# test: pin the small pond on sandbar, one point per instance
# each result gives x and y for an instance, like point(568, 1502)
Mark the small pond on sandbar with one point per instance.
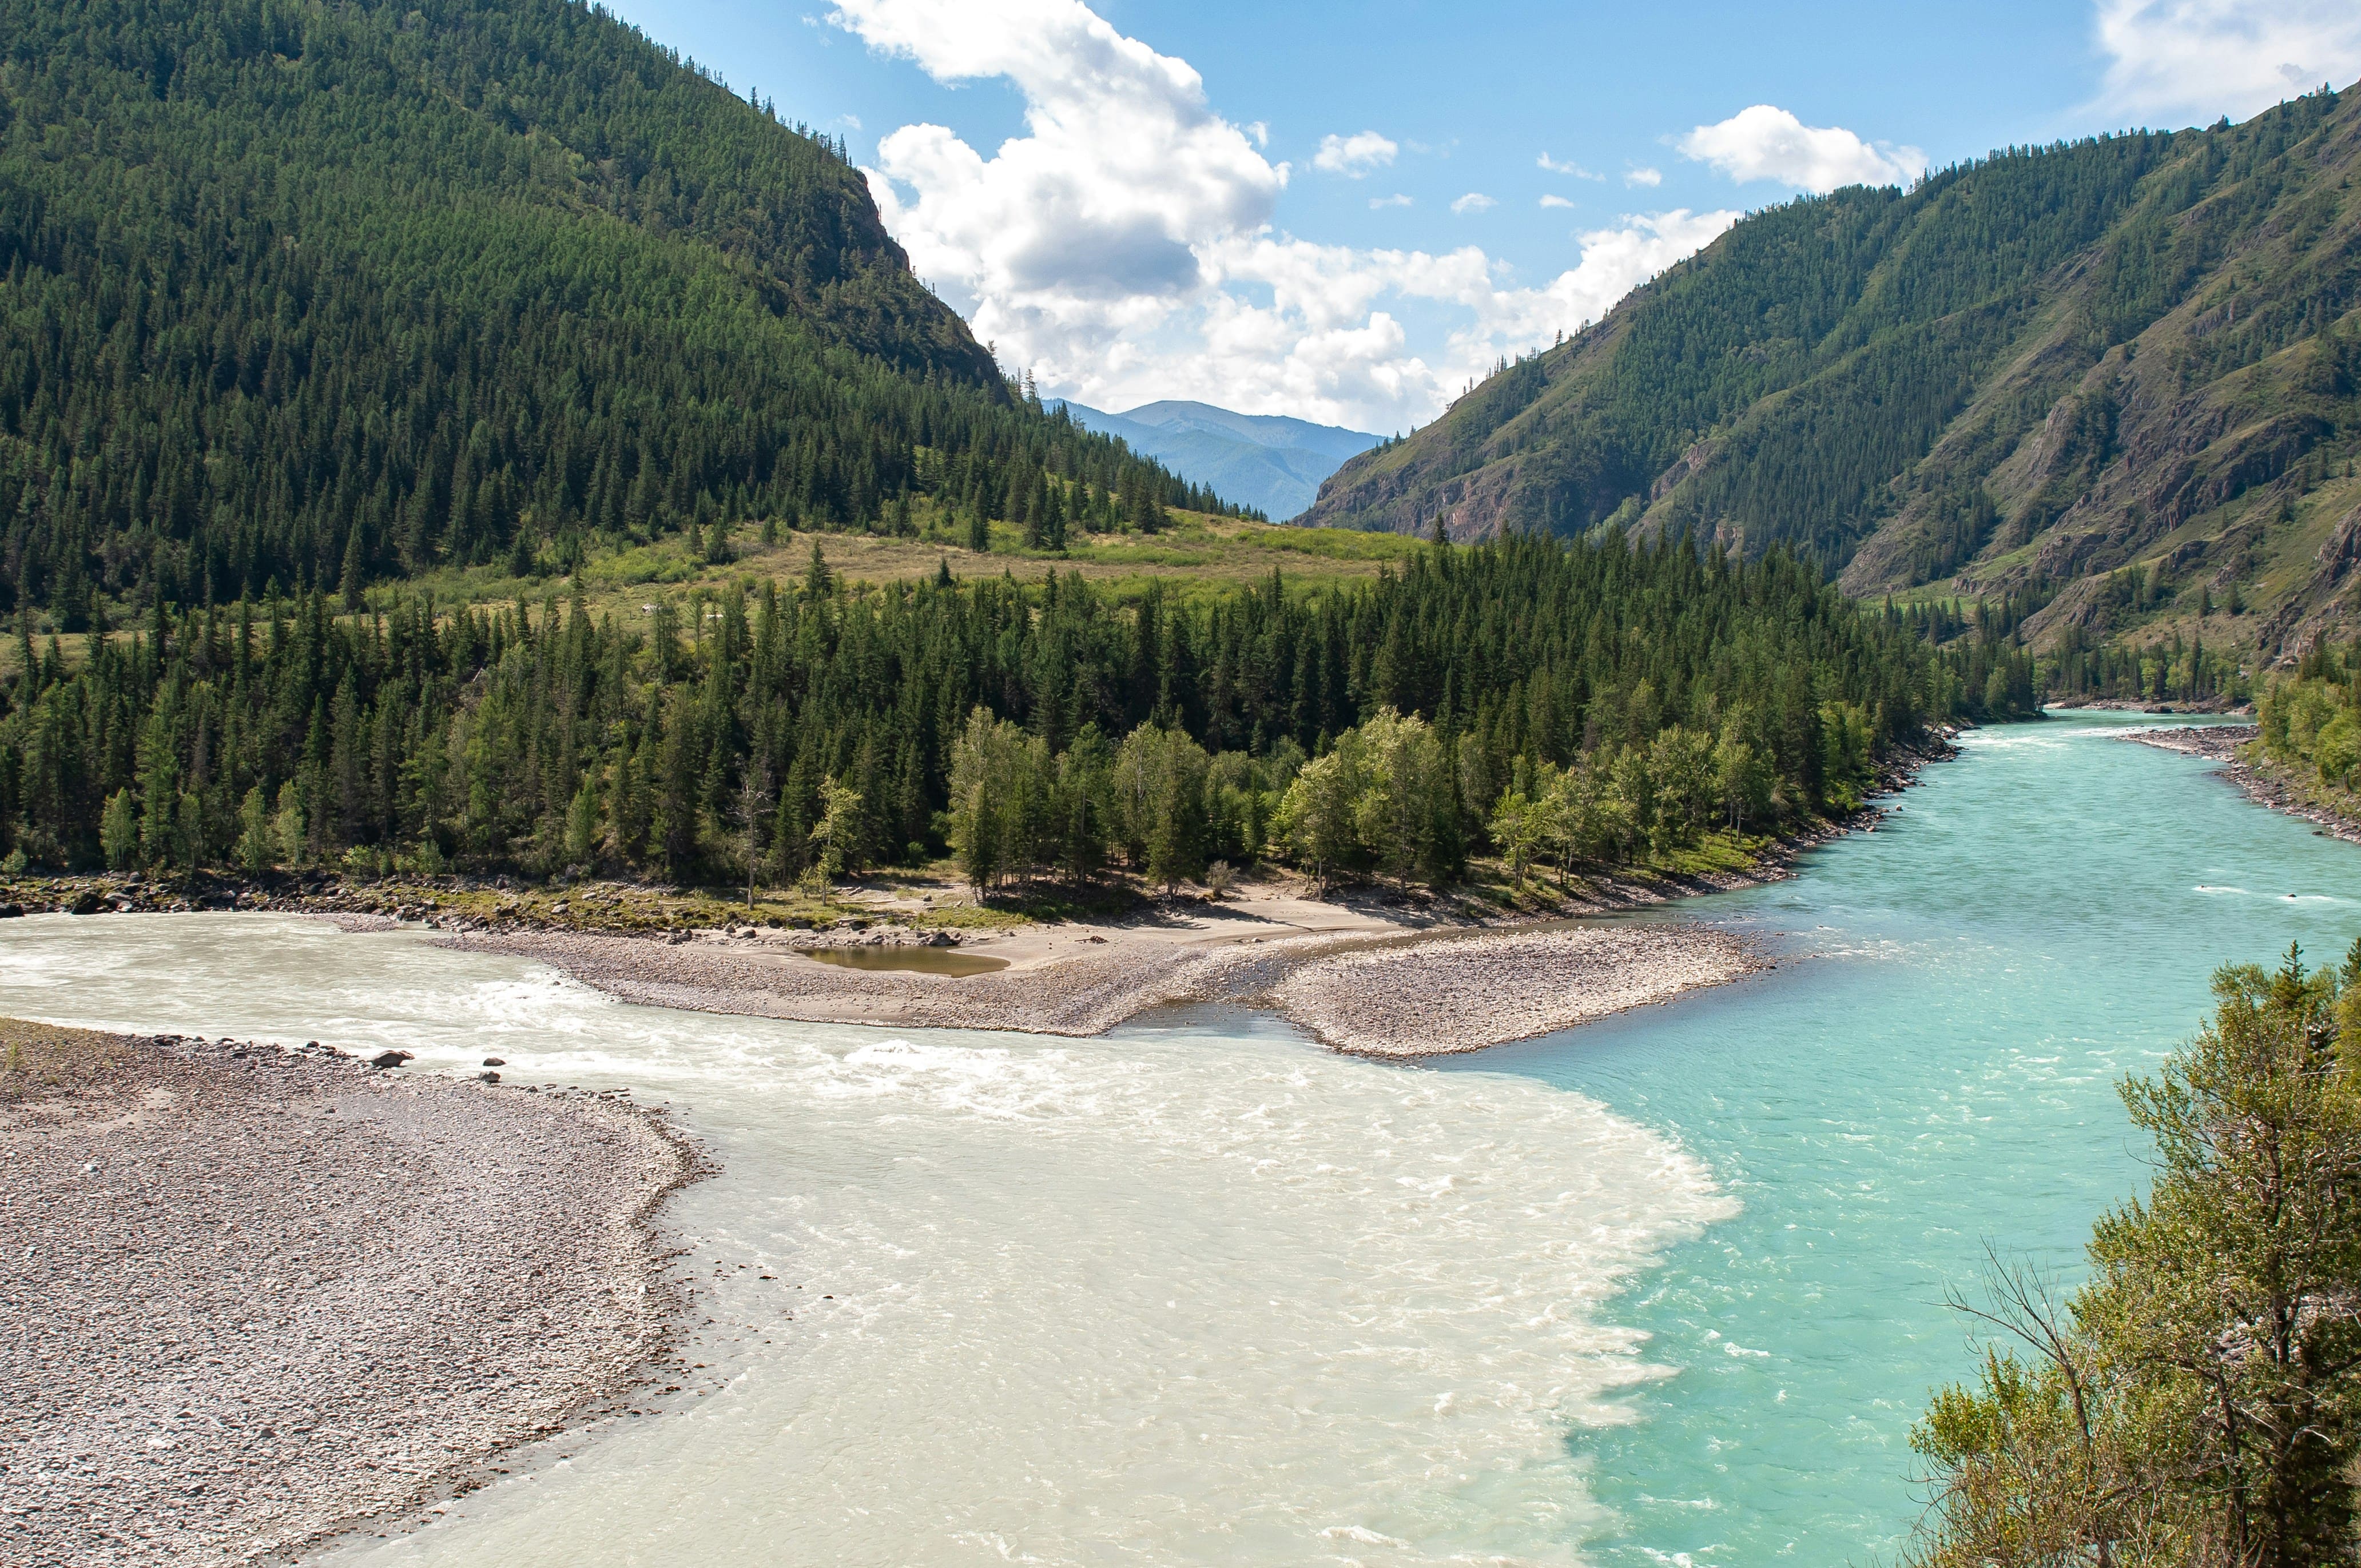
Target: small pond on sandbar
point(908, 960)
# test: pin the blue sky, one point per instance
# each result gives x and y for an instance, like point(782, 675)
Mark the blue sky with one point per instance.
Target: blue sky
point(1343, 213)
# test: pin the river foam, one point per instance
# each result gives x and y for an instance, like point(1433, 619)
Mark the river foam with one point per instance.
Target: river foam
point(1196, 1292)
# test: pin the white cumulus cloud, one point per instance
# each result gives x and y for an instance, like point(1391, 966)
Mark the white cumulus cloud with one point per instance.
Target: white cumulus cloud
point(1396, 199)
point(2196, 60)
point(1124, 247)
point(1355, 155)
point(1767, 143)
point(1650, 177)
point(1089, 222)
point(1474, 202)
point(1555, 202)
point(1577, 170)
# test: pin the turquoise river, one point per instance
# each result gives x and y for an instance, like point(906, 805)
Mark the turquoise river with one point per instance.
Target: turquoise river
point(1668, 1289)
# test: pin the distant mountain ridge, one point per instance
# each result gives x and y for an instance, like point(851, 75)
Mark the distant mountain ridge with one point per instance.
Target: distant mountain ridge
point(2119, 381)
point(1269, 462)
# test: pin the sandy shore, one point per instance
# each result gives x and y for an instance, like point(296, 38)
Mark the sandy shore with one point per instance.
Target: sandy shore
point(1353, 980)
point(248, 1296)
point(1060, 980)
point(1369, 975)
point(2263, 783)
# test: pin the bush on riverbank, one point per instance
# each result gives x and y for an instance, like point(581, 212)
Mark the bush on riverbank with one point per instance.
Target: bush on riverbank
point(2198, 1401)
point(2311, 722)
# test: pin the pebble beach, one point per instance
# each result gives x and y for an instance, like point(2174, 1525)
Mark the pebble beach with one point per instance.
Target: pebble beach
point(250, 1297)
point(1458, 994)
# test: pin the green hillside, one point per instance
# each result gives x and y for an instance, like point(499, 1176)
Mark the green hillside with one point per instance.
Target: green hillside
point(321, 296)
point(2118, 379)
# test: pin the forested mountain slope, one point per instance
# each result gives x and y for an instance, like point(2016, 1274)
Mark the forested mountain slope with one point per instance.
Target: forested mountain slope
point(2120, 377)
point(324, 294)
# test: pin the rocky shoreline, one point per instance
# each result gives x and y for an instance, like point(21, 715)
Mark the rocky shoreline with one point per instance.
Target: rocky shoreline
point(253, 1297)
point(2192, 706)
point(2261, 780)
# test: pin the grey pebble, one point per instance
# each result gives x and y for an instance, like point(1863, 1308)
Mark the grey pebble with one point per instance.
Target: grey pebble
point(186, 1382)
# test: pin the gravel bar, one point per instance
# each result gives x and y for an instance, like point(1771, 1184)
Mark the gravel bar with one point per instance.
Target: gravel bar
point(1439, 998)
point(2218, 742)
point(1076, 996)
point(1424, 996)
point(253, 1297)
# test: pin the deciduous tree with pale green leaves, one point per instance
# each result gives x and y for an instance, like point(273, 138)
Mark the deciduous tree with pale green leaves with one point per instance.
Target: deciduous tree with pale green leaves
point(1316, 816)
point(837, 833)
point(1159, 794)
point(1407, 792)
point(2198, 1402)
point(1742, 777)
point(1519, 825)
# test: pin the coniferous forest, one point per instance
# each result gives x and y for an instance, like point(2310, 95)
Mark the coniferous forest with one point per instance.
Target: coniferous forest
point(1583, 705)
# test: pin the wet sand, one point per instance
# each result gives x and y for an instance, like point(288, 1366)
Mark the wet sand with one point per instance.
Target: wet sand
point(252, 1297)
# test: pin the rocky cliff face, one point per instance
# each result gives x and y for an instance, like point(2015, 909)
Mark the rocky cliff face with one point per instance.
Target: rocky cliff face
point(2122, 377)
